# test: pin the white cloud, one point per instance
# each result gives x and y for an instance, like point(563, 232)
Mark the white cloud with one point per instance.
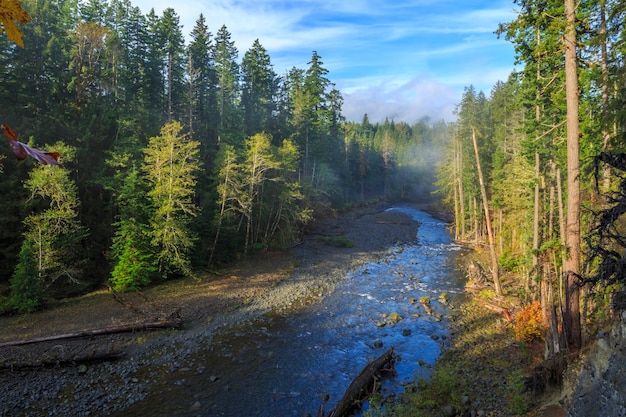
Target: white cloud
point(410, 101)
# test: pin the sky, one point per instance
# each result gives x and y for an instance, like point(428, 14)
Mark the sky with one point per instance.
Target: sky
point(405, 60)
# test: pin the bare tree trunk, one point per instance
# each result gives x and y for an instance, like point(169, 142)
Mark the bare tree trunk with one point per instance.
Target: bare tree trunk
point(500, 227)
point(572, 265)
point(457, 210)
point(461, 194)
point(536, 218)
point(360, 386)
point(492, 250)
point(475, 214)
point(559, 192)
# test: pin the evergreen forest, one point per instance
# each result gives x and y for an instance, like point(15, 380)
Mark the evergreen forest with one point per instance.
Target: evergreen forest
point(179, 156)
point(176, 156)
point(534, 170)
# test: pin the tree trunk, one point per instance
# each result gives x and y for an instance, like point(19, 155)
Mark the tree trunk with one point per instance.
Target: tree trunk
point(461, 193)
point(536, 218)
point(492, 250)
point(572, 265)
point(476, 227)
point(457, 209)
point(604, 67)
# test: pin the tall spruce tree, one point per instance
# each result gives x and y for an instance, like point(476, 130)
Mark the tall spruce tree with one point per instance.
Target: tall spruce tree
point(228, 94)
point(259, 89)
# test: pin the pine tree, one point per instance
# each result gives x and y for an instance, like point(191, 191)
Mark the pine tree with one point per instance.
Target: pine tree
point(53, 232)
point(26, 285)
point(259, 89)
point(132, 252)
point(228, 94)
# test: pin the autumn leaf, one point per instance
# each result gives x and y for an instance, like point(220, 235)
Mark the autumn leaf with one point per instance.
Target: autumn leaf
point(11, 12)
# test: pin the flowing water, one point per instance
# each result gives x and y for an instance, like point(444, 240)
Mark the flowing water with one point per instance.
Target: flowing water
point(291, 364)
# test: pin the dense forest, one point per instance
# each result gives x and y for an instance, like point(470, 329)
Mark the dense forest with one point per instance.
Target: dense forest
point(535, 169)
point(176, 156)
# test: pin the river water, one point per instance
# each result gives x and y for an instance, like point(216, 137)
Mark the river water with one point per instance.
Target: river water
point(290, 364)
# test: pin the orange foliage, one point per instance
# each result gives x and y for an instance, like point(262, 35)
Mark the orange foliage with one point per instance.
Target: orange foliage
point(11, 12)
point(529, 323)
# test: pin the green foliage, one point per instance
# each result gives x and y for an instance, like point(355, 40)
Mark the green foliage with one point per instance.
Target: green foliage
point(53, 231)
point(170, 168)
point(136, 264)
point(26, 288)
point(518, 400)
point(509, 261)
point(133, 256)
point(105, 78)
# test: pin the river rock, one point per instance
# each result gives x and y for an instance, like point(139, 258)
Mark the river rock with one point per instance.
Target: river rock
point(378, 343)
point(448, 411)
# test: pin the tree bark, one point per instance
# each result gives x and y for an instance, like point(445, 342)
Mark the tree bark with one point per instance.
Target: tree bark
point(492, 250)
point(461, 193)
point(572, 264)
point(536, 218)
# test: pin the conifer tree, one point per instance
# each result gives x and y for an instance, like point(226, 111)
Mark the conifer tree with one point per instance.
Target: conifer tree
point(53, 236)
point(170, 167)
point(134, 260)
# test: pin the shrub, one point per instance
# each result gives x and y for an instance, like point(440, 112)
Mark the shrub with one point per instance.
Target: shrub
point(529, 323)
point(338, 242)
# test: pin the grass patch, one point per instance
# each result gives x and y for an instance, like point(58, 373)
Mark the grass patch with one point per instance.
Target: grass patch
point(337, 241)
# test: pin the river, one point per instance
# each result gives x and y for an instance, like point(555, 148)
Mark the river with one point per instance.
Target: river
point(290, 364)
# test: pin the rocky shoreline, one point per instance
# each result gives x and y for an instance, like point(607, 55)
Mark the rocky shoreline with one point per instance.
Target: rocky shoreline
point(308, 273)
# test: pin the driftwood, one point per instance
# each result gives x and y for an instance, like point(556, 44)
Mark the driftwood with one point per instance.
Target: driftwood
point(497, 309)
point(53, 360)
point(361, 385)
point(165, 324)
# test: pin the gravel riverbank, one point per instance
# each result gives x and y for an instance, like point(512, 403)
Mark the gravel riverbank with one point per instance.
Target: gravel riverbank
point(49, 378)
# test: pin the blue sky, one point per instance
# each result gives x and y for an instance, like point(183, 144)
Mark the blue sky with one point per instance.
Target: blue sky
point(402, 59)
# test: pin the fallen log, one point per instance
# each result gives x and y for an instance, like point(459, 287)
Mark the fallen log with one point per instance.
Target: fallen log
point(361, 386)
point(497, 309)
point(164, 324)
point(61, 360)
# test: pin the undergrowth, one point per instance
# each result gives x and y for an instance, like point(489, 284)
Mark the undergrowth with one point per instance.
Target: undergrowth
point(337, 241)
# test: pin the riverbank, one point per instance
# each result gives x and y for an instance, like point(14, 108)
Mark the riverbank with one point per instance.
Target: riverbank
point(485, 369)
point(47, 378)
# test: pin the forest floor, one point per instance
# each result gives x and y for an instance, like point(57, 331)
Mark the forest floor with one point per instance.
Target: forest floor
point(253, 286)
